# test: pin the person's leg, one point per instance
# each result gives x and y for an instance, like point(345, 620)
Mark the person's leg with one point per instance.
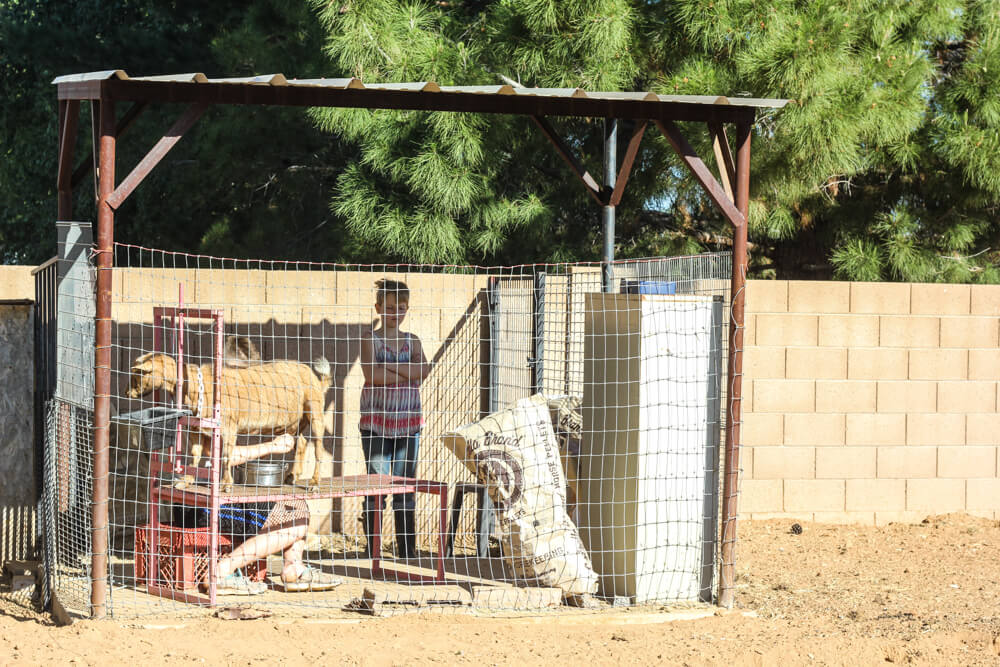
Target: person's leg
point(404, 464)
point(378, 461)
point(284, 530)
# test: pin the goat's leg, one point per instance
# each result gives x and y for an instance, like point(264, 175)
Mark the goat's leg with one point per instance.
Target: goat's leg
point(228, 445)
point(298, 465)
point(315, 408)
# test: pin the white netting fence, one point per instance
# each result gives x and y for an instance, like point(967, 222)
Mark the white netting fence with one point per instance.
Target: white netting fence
point(568, 447)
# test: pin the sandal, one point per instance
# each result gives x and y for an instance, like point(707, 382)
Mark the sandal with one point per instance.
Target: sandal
point(312, 579)
point(237, 584)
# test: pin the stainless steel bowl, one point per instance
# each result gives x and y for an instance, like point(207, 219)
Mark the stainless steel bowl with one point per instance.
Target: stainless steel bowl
point(261, 473)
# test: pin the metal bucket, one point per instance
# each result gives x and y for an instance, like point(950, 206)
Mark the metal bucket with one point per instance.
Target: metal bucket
point(261, 473)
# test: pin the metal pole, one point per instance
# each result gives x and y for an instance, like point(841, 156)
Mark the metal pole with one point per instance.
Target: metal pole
point(608, 211)
point(730, 486)
point(102, 366)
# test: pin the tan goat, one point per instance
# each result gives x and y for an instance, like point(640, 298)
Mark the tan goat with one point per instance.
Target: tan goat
point(275, 397)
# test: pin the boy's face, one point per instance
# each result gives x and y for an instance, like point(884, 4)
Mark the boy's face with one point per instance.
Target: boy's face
point(391, 310)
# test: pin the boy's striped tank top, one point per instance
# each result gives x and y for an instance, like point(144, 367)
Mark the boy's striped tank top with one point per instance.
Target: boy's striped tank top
point(391, 410)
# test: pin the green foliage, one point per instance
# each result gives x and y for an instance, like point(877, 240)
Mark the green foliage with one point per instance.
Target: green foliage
point(885, 165)
point(882, 167)
point(244, 181)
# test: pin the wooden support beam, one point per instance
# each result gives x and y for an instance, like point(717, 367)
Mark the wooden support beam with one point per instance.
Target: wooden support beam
point(701, 172)
point(626, 168)
point(723, 157)
point(566, 154)
point(126, 121)
point(156, 153)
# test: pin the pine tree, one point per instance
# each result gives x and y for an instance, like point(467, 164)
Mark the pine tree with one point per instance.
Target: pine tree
point(883, 166)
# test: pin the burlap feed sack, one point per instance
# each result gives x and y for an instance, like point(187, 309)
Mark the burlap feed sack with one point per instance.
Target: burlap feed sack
point(567, 422)
point(515, 455)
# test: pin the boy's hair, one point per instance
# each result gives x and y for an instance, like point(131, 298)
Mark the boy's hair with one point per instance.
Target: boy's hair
point(396, 288)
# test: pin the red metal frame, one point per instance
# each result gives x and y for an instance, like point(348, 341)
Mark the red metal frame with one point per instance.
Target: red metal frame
point(209, 494)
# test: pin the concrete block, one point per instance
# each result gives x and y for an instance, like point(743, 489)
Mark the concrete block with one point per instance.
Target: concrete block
point(496, 599)
point(763, 363)
point(909, 331)
point(845, 463)
point(880, 298)
point(845, 396)
point(845, 518)
point(848, 330)
point(876, 495)
point(762, 429)
point(767, 296)
point(966, 396)
point(783, 395)
point(907, 396)
point(749, 330)
point(828, 363)
point(877, 364)
point(17, 283)
point(935, 429)
point(819, 296)
point(814, 429)
point(985, 300)
point(943, 364)
point(784, 463)
point(969, 331)
point(300, 288)
point(967, 462)
point(786, 329)
point(984, 364)
point(746, 461)
point(940, 299)
point(223, 288)
point(982, 429)
point(935, 495)
point(906, 462)
point(814, 495)
point(983, 494)
point(760, 495)
point(876, 429)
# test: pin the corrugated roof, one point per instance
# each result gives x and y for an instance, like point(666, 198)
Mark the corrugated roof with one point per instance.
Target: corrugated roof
point(279, 80)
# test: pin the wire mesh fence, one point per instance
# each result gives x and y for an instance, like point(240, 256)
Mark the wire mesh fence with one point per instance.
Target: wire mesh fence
point(543, 443)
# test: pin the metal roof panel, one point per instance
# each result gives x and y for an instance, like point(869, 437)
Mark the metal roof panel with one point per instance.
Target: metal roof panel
point(103, 75)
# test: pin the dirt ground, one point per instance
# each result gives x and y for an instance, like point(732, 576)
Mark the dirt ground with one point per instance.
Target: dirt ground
point(831, 595)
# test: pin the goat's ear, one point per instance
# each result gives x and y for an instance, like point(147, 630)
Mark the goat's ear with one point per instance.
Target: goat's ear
point(143, 362)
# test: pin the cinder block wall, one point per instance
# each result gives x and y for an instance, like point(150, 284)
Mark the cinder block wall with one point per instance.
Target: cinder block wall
point(17, 468)
point(870, 402)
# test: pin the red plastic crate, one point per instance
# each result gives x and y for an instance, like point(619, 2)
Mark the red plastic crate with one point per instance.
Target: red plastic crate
point(183, 557)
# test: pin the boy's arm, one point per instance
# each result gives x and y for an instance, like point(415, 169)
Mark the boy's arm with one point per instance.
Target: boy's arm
point(376, 373)
point(417, 368)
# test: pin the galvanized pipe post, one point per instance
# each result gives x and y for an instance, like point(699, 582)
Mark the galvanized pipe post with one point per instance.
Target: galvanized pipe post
point(608, 210)
point(102, 364)
point(730, 485)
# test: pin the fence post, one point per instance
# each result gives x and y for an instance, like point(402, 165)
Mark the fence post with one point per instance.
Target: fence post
point(538, 334)
point(730, 485)
point(102, 366)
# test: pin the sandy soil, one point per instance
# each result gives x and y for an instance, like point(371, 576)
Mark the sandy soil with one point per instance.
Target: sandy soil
point(835, 595)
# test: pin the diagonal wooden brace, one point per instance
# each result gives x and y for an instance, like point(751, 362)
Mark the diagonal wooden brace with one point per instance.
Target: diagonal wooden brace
point(123, 124)
point(701, 172)
point(155, 154)
point(626, 168)
point(723, 157)
point(595, 191)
